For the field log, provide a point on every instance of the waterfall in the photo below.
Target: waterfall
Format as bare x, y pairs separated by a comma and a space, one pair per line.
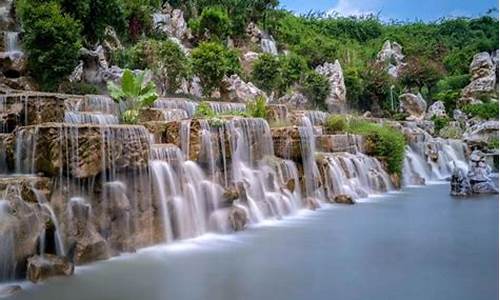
12, 47
7, 250
92, 109
308, 151
268, 45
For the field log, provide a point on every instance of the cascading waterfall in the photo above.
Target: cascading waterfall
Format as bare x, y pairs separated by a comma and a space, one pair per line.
308, 151
92, 109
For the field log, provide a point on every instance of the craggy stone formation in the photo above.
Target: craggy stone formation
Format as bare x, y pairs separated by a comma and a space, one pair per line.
336, 102
94, 68
236, 90
437, 109
171, 22
484, 78
477, 180
481, 133
414, 105
43, 267
392, 56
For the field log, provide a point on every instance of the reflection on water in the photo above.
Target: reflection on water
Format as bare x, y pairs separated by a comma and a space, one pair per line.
417, 244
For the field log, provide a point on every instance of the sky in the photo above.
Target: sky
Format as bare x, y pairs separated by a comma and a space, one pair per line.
403, 10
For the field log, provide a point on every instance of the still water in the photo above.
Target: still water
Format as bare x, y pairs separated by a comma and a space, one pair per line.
416, 244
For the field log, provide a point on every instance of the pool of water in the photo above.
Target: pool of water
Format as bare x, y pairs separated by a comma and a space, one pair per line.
416, 244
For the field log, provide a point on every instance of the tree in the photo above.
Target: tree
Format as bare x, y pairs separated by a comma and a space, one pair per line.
213, 23
316, 88
211, 61
52, 42
266, 72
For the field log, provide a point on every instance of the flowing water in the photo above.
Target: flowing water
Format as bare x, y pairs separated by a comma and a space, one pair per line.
417, 244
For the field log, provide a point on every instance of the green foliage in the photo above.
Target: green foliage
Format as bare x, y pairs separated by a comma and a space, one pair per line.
493, 144
213, 23
257, 108
335, 124
385, 142
265, 73
135, 91
451, 132
51, 39
292, 66
316, 88
77, 88
203, 110
421, 72
211, 62
486, 111
165, 58
440, 122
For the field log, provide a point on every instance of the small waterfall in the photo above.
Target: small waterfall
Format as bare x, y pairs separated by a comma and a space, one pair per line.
7, 250
308, 151
92, 109
316, 117
177, 103
225, 107
268, 45
174, 114
12, 47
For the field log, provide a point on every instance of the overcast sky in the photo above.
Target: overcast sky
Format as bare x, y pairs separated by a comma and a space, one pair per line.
404, 10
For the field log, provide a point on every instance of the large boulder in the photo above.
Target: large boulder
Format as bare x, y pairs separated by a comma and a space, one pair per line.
484, 79
459, 183
481, 133
295, 100
336, 101
479, 174
171, 22
437, 109
42, 267
414, 105
236, 90
392, 56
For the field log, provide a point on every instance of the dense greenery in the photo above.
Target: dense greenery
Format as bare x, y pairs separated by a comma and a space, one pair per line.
486, 111
213, 23
211, 61
316, 88
136, 91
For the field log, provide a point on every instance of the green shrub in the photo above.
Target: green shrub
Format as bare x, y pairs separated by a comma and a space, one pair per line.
440, 122
52, 42
451, 132
292, 66
203, 110
449, 98
316, 88
266, 72
257, 108
493, 144
213, 22
211, 62
335, 124
387, 143
135, 91
77, 88
486, 111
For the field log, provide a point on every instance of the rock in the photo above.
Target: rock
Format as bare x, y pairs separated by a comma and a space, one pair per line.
484, 79
287, 142
9, 290
339, 143
392, 56
414, 105
236, 90
437, 109
312, 203
295, 100
336, 101
344, 199
459, 116
42, 267
482, 133
459, 184
29, 187
238, 218
192, 87
253, 32
368, 114
111, 41
250, 57
479, 174
276, 113
171, 22
13, 64
290, 185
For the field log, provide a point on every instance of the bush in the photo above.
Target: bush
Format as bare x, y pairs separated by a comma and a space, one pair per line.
387, 143
485, 111
316, 88
335, 124
451, 132
52, 42
440, 122
77, 88
266, 72
203, 110
211, 62
493, 144
257, 108
292, 66
213, 23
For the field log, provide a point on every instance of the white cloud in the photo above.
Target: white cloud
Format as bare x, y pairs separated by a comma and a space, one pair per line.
352, 8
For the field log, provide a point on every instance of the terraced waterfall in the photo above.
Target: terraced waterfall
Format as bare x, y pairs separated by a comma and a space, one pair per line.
77, 187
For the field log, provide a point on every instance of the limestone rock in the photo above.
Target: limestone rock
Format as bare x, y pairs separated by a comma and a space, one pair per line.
481, 133
111, 41
414, 105
171, 22
392, 56
344, 199
42, 267
287, 142
238, 218
236, 90
250, 57
191, 87
295, 100
484, 79
437, 109
459, 116
459, 184
336, 101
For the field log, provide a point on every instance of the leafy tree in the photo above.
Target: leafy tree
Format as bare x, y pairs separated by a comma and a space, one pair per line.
292, 66
52, 41
266, 72
213, 23
420, 72
135, 91
211, 61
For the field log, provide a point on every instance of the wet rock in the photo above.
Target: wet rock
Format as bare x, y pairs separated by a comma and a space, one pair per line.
236, 90
312, 203
9, 290
336, 101
414, 105
82, 150
459, 183
437, 109
392, 56
238, 218
13, 64
41, 268
290, 185
287, 142
29, 187
344, 199
276, 113
484, 79
339, 143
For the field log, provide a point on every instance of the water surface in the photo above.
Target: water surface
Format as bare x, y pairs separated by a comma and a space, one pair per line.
417, 244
